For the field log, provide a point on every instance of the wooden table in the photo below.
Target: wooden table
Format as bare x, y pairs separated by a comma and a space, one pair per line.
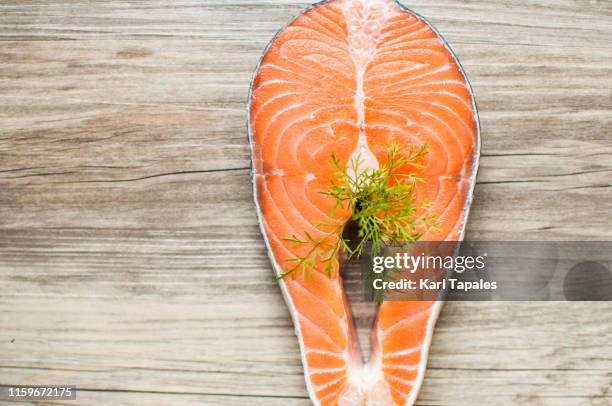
131, 264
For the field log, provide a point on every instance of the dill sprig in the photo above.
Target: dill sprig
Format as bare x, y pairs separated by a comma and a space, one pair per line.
323, 251
383, 204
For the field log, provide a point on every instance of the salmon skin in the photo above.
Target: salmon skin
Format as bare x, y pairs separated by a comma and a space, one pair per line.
350, 78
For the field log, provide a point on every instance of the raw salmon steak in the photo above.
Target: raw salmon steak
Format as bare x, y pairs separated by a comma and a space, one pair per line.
350, 78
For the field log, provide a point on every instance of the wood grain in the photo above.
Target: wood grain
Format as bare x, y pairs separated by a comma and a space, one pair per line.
131, 263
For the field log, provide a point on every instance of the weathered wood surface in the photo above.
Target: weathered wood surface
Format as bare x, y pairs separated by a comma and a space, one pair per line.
131, 263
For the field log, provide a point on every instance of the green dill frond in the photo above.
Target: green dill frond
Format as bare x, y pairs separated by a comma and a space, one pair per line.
383, 203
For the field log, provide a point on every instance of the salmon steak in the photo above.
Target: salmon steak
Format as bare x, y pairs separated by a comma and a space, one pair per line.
349, 78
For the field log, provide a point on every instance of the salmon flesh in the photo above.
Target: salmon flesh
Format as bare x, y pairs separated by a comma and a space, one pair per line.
352, 77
